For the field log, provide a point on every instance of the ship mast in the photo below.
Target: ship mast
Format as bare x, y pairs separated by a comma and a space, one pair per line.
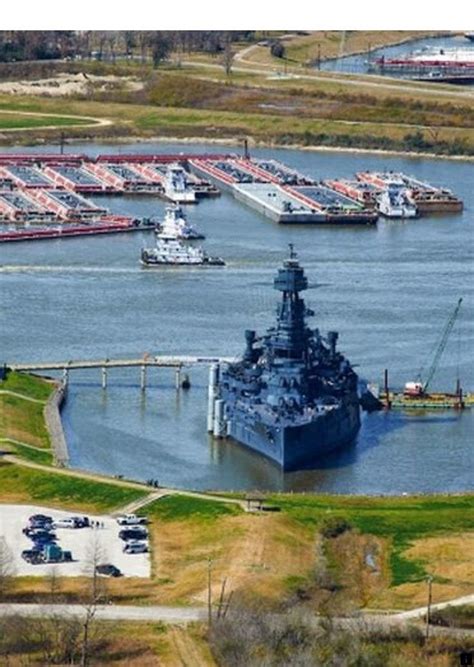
289, 338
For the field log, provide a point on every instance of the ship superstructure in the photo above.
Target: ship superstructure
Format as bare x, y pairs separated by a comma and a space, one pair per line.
293, 396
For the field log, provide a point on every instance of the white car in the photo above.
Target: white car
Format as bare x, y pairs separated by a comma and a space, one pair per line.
131, 520
135, 548
64, 523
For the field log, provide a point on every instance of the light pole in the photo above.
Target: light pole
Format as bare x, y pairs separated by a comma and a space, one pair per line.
429, 579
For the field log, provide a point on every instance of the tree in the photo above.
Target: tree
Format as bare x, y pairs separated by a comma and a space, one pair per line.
96, 594
7, 569
277, 49
228, 58
160, 47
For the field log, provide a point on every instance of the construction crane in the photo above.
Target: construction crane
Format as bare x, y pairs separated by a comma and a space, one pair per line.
419, 388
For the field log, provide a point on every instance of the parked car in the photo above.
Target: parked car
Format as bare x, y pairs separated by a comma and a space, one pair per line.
131, 520
32, 556
41, 536
133, 534
108, 570
52, 553
82, 521
41, 517
40, 521
65, 523
135, 547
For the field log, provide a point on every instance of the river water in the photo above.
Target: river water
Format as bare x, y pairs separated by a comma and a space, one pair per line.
388, 290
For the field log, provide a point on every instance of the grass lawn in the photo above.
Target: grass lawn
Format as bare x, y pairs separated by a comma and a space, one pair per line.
21, 419
26, 485
29, 385
30, 453
22, 122
401, 520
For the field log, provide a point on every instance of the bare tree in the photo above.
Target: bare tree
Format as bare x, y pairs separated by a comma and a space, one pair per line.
7, 568
95, 595
228, 57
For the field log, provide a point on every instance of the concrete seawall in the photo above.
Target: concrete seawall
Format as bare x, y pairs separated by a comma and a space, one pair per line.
52, 417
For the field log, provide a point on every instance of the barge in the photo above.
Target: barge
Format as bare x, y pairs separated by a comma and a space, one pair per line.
107, 225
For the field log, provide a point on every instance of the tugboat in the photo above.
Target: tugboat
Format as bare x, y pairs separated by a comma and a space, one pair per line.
177, 188
394, 202
176, 227
175, 253
293, 397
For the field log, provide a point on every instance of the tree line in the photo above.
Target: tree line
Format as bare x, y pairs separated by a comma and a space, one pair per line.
142, 45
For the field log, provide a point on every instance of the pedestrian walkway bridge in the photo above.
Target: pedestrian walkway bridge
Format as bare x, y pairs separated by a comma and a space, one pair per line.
163, 361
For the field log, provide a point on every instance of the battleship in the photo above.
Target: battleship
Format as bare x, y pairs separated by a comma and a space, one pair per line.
292, 397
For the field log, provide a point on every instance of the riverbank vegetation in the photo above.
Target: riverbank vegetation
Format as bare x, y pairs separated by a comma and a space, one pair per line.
193, 95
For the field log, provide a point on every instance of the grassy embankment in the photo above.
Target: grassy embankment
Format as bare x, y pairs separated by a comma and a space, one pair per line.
23, 433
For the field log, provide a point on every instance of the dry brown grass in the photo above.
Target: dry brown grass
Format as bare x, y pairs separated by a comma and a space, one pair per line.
253, 552
448, 559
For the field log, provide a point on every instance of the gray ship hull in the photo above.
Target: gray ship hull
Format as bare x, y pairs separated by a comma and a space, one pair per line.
298, 446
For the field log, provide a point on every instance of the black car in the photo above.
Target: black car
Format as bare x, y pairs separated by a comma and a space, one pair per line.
33, 556
81, 521
40, 521
42, 536
108, 570
133, 534
41, 517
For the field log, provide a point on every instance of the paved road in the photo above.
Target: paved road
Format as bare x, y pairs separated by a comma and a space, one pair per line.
421, 611
361, 623
108, 612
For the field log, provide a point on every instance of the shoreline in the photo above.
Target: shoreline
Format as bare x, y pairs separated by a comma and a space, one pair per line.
237, 143
54, 425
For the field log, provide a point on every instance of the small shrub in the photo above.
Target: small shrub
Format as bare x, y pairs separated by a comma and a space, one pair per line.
334, 526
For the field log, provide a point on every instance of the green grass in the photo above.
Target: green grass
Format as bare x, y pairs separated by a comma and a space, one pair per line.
20, 122
401, 520
23, 420
181, 508
30, 453
18, 484
29, 385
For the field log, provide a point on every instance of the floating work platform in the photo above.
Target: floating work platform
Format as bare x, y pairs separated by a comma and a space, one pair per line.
432, 401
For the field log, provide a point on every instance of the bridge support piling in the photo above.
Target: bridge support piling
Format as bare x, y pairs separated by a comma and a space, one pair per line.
212, 394
177, 378
104, 377
143, 378
65, 377
219, 430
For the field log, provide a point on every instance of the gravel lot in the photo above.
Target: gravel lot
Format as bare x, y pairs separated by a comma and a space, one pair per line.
88, 545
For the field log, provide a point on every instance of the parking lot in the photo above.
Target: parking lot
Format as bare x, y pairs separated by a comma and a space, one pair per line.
89, 546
